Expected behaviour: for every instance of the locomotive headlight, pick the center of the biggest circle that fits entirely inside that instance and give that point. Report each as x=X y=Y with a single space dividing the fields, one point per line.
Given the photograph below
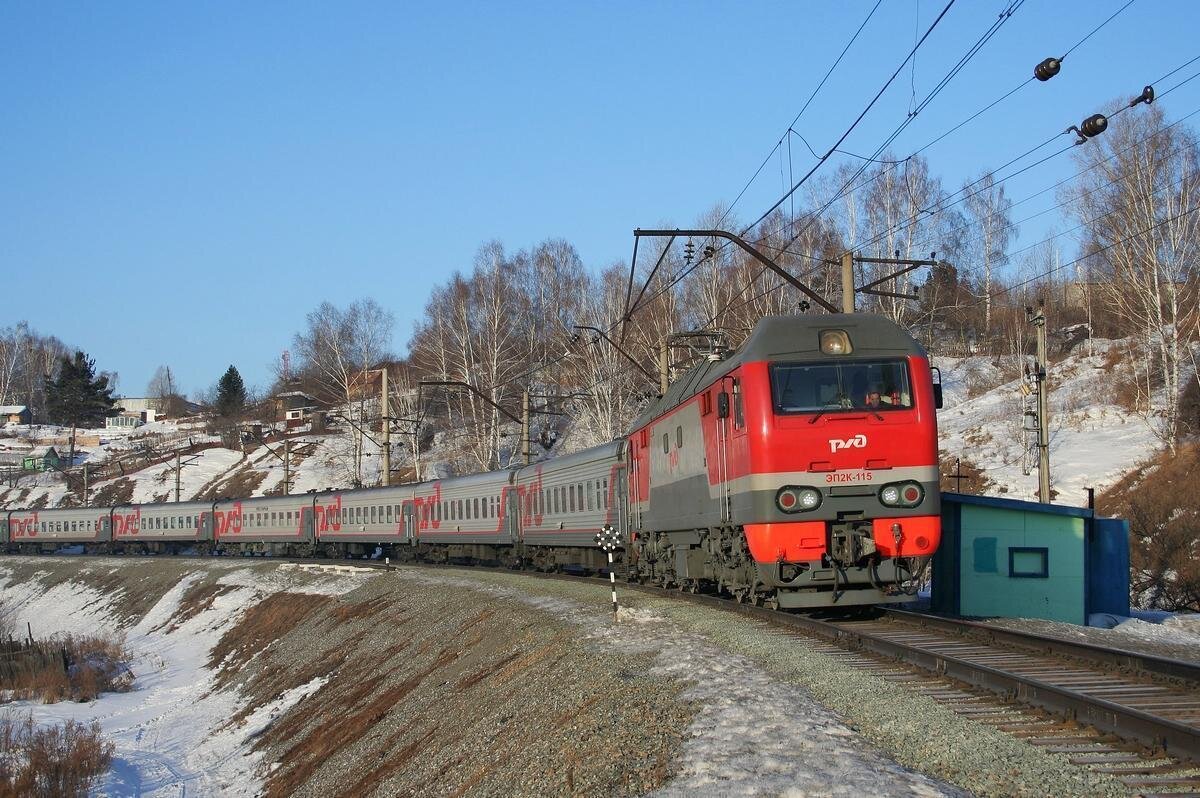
x=835 y=342
x=902 y=494
x=794 y=499
x=809 y=499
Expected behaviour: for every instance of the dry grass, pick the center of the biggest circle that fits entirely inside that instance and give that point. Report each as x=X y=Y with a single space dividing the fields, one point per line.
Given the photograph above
x=1161 y=499
x=51 y=761
x=242 y=482
x=73 y=668
x=198 y=598
x=974 y=480
x=262 y=624
x=119 y=491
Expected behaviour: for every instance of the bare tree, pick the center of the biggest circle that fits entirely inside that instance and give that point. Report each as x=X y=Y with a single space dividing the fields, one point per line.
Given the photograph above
x=336 y=348
x=1134 y=198
x=989 y=212
x=165 y=391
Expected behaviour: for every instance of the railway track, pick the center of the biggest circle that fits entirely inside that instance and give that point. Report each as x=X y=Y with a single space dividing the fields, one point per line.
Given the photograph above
x=1133 y=716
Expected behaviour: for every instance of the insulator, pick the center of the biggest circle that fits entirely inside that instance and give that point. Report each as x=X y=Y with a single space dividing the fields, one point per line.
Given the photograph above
x=1094 y=125
x=1147 y=97
x=1047 y=69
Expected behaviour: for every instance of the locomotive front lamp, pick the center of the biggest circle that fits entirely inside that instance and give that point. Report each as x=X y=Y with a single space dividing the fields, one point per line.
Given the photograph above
x=835 y=342
x=793 y=499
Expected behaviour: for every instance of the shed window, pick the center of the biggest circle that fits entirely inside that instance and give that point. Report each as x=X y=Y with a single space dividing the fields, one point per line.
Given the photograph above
x=1028 y=562
x=679 y=437
x=666 y=442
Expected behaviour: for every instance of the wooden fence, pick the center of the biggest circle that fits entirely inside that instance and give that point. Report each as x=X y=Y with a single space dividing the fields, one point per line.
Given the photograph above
x=21 y=659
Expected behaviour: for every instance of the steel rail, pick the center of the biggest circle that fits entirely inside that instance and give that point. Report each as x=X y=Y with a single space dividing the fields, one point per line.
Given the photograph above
x=1177 y=739
x=1115 y=658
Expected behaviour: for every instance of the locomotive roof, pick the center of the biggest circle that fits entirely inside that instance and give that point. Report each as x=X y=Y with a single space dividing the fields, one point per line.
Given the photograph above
x=786 y=338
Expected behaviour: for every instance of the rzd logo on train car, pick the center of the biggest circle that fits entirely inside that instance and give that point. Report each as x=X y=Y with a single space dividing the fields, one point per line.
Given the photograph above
x=329 y=516
x=127 y=524
x=857 y=442
x=24 y=527
x=228 y=521
x=426 y=508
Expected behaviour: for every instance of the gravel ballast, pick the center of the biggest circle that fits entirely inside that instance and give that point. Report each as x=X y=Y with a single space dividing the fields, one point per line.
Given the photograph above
x=916 y=732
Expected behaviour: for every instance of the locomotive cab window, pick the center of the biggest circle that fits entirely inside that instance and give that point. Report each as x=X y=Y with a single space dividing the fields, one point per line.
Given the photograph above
x=874 y=385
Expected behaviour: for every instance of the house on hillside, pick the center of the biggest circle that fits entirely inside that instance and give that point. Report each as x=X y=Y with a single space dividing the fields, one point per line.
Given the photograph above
x=15 y=414
x=42 y=458
x=294 y=408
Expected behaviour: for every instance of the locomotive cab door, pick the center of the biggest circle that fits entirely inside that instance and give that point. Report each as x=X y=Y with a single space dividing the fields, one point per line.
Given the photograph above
x=728 y=402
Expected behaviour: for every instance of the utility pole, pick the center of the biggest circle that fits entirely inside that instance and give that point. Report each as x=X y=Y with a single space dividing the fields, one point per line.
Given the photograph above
x=287 y=466
x=664 y=366
x=179 y=466
x=525 y=426
x=85 y=484
x=1038 y=320
x=847 y=282
x=387 y=430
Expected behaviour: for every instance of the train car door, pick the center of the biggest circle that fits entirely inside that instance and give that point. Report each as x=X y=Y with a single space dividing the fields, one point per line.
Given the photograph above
x=621 y=497
x=512 y=513
x=206 y=526
x=409 y=511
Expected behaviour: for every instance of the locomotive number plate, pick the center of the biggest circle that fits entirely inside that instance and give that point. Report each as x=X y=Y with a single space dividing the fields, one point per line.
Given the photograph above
x=849 y=476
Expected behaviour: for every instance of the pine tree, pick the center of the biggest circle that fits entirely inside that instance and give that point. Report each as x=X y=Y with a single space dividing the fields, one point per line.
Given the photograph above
x=231 y=393
x=77 y=397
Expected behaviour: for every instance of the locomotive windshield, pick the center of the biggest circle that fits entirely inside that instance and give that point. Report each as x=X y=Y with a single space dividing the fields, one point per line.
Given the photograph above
x=849 y=385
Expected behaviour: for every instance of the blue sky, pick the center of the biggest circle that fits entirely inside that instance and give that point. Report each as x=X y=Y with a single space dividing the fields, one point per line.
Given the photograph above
x=181 y=183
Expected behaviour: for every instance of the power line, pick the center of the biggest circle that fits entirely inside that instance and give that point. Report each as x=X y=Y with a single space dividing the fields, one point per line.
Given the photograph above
x=1093 y=253
x=854 y=124
x=942 y=205
x=804 y=108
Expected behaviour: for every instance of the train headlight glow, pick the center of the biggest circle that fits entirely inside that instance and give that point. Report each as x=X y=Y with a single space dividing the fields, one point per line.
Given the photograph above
x=835 y=342
x=794 y=499
x=890 y=495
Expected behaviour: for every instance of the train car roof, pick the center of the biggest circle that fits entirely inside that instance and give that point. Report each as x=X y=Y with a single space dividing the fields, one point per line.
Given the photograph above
x=795 y=337
x=167 y=507
x=605 y=451
x=504 y=476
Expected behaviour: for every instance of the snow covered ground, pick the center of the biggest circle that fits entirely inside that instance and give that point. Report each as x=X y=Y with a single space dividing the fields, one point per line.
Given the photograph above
x=168 y=730
x=1093 y=440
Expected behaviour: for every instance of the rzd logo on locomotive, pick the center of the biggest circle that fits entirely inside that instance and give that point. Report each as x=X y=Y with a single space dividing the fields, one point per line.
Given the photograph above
x=857 y=442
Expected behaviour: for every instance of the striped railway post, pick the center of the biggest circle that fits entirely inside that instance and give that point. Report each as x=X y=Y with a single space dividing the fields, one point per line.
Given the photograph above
x=607 y=539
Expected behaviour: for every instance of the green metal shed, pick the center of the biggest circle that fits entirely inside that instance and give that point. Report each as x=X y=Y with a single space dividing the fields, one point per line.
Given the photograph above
x=1009 y=558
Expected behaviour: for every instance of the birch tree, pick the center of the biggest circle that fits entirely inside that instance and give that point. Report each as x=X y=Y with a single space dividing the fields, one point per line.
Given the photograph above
x=336 y=348
x=1135 y=201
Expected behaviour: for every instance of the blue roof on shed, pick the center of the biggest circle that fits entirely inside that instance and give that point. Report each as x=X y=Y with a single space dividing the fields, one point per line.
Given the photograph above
x=1017 y=504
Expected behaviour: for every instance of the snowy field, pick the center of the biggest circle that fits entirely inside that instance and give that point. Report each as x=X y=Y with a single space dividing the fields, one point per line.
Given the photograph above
x=168 y=730
x=1093 y=440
